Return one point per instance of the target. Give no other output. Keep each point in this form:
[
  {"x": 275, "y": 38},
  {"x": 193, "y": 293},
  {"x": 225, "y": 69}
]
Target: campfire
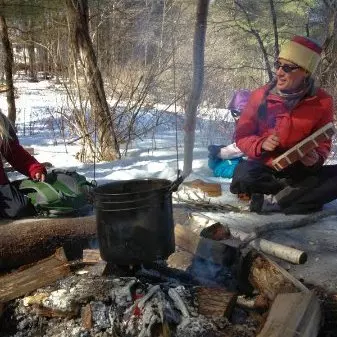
[{"x": 205, "y": 288}]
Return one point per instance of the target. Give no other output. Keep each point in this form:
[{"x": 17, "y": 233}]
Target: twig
[
  {"x": 206, "y": 204},
  {"x": 282, "y": 225}
]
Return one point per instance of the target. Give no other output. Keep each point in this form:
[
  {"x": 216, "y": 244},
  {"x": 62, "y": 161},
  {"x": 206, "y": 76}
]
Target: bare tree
[
  {"x": 255, "y": 32},
  {"x": 197, "y": 83},
  {"x": 84, "y": 53},
  {"x": 8, "y": 67},
  {"x": 274, "y": 20}
]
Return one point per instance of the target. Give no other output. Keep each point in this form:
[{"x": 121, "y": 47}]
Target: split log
[
  {"x": 211, "y": 189},
  {"x": 215, "y": 302},
  {"x": 91, "y": 256},
  {"x": 293, "y": 315},
  {"x": 210, "y": 250},
  {"x": 43, "y": 273},
  {"x": 29, "y": 240},
  {"x": 270, "y": 279}
]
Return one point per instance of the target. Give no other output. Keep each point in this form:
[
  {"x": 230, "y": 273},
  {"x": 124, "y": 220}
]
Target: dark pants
[
  {"x": 299, "y": 189},
  {"x": 14, "y": 204}
]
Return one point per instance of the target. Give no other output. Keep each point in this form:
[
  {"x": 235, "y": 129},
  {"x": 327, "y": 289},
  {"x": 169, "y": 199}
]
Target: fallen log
[
  {"x": 29, "y": 240},
  {"x": 43, "y": 273},
  {"x": 293, "y": 315}
]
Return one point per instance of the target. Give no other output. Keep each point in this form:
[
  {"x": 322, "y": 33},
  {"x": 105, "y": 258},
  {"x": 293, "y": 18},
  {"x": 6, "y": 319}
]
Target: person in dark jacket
[
  {"x": 14, "y": 204},
  {"x": 278, "y": 116}
]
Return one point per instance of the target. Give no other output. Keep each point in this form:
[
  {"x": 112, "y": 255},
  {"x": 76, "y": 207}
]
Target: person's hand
[
  {"x": 271, "y": 143},
  {"x": 310, "y": 159},
  {"x": 39, "y": 176}
]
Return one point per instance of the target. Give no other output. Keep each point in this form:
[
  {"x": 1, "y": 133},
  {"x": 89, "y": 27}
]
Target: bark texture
[
  {"x": 8, "y": 66},
  {"x": 78, "y": 13}
]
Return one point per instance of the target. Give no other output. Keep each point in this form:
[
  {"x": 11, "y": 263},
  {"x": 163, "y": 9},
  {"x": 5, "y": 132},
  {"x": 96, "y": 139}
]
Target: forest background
[{"x": 120, "y": 60}]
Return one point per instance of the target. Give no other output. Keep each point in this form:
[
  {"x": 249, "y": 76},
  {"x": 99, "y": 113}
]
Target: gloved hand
[
  {"x": 214, "y": 150},
  {"x": 311, "y": 158}
]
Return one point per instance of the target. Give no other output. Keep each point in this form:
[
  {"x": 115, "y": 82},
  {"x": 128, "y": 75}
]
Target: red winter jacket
[
  {"x": 19, "y": 158},
  {"x": 310, "y": 114}
]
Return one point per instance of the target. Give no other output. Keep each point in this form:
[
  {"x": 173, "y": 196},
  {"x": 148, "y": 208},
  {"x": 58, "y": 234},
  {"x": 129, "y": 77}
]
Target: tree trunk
[
  {"x": 8, "y": 69},
  {"x": 84, "y": 53},
  {"x": 197, "y": 84},
  {"x": 31, "y": 54},
  {"x": 274, "y": 19}
]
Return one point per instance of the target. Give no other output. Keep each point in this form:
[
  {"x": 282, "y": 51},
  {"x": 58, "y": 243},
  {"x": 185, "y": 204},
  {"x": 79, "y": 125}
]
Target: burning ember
[{"x": 87, "y": 304}]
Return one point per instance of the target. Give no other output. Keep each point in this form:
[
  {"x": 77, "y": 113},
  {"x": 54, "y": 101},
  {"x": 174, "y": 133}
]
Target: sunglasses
[
  {"x": 287, "y": 68},
  {"x": 235, "y": 113}
]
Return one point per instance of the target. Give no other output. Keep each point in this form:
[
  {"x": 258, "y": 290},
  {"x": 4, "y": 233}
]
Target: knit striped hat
[{"x": 302, "y": 51}]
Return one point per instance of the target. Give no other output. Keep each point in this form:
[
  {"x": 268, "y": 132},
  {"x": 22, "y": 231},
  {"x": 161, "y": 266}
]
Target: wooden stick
[{"x": 43, "y": 273}]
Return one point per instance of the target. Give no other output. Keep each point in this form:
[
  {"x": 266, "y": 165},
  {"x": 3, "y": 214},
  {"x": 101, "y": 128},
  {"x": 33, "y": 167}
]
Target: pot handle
[{"x": 175, "y": 184}]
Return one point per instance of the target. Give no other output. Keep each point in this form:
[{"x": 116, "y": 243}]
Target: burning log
[
  {"x": 208, "y": 249},
  {"x": 41, "y": 274},
  {"x": 215, "y": 302},
  {"x": 270, "y": 279},
  {"x": 293, "y": 315},
  {"x": 29, "y": 240}
]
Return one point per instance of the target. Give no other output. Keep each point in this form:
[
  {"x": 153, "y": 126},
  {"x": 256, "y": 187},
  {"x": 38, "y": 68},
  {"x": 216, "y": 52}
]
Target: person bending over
[{"x": 13, "y": 203}]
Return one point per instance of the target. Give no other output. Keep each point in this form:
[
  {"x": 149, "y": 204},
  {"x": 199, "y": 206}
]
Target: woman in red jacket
[
  {"x": 13, "y": 204},
  {"x": 277, "y": 117}
]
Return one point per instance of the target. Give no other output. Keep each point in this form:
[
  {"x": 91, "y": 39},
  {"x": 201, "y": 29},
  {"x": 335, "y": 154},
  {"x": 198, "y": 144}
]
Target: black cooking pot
[{"x": 135, "y": 220}]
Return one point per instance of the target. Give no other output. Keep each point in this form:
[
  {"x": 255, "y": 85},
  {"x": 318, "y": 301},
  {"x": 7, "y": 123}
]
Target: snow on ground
[{"x": 156, "y": 157}]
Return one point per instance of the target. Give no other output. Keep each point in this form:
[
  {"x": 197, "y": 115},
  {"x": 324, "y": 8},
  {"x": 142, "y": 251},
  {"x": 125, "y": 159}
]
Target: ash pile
[{"x": 86, "y": 304}]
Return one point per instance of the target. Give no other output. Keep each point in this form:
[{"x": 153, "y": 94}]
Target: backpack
[{"x": 63, "y": 193}]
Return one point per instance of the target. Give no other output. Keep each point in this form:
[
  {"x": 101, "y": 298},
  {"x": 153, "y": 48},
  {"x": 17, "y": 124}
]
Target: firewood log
[
  {"x": 30, "y": 240},
  {"x": 293, "y": 315},
  {"x": 42, "y": 273}
]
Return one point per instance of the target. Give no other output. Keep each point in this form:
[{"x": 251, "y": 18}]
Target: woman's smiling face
[{"x": 289, "y": 75}]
